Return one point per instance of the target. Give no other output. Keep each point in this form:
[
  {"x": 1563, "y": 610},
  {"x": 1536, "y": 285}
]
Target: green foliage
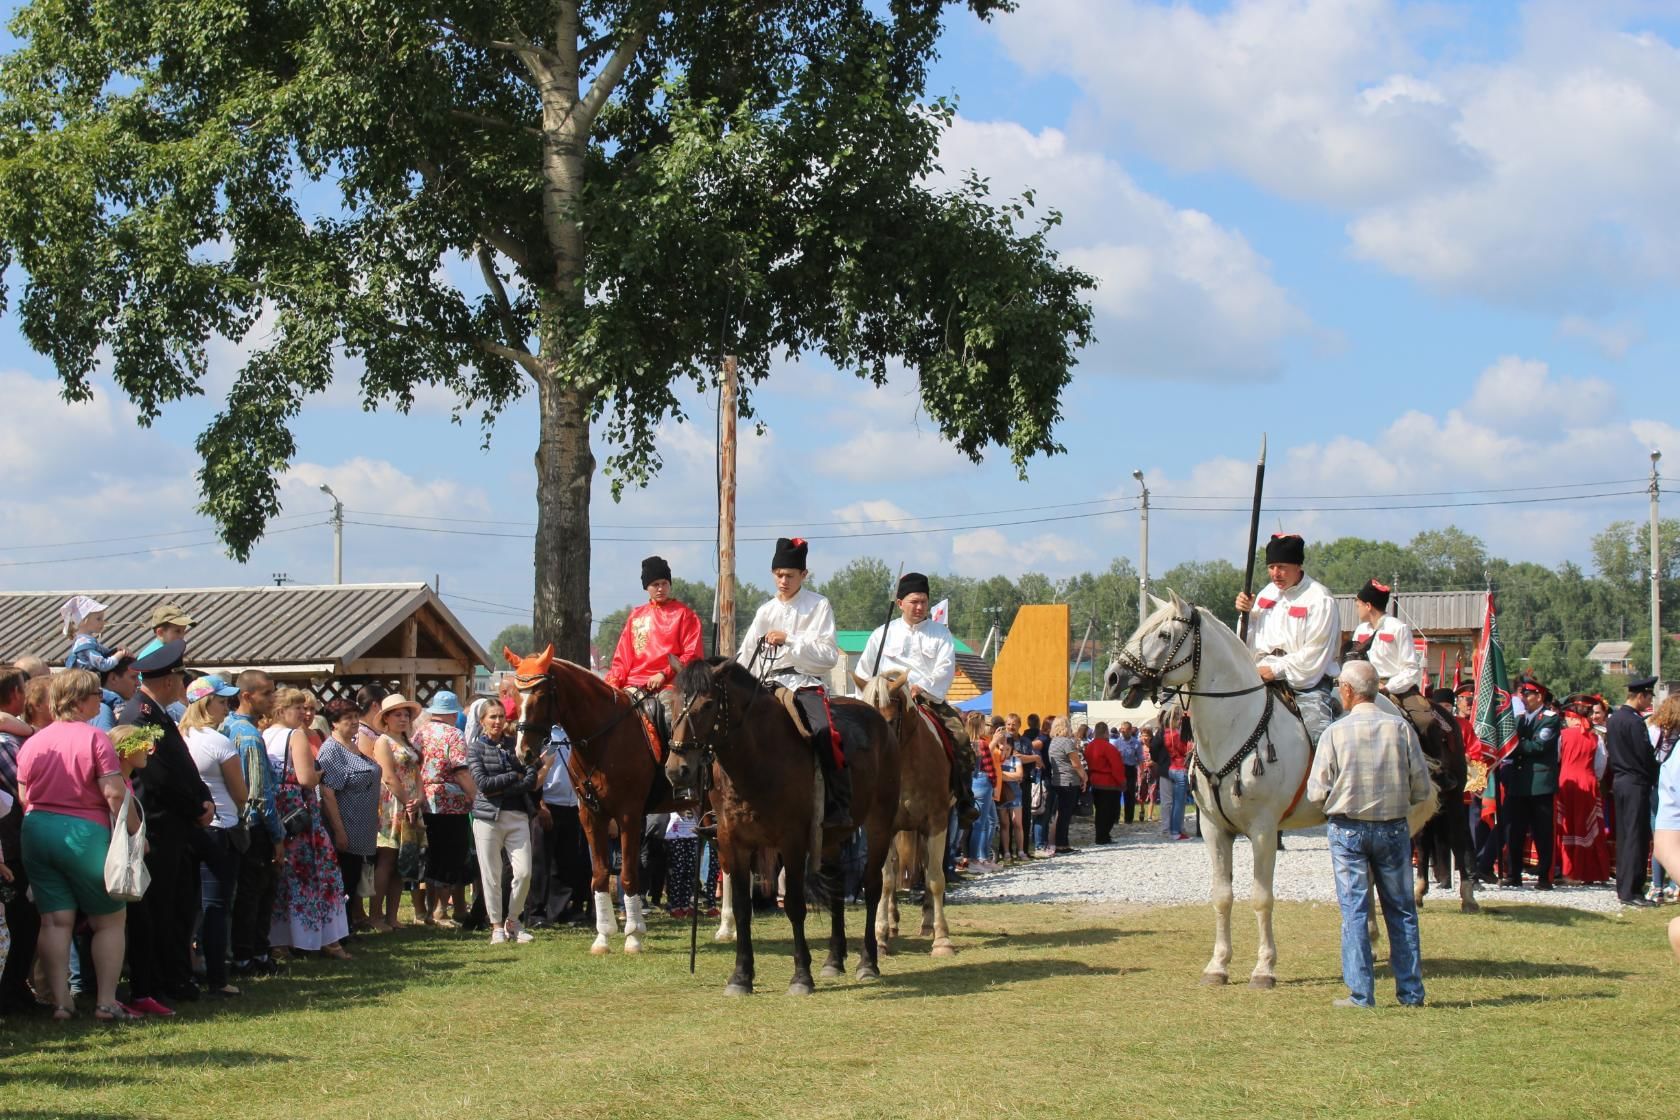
[
  {"x": 859, "y": 593},
  {"x": 517, "y": 637},
  {"x": 633, "y": 184}
]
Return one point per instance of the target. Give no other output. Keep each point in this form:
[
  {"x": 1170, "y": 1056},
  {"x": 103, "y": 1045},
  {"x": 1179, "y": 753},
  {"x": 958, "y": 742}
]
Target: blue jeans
[
  {"x": 1363, "y": 854},
  {"x": 982, "y": 832},
  {"x": 1180, "y": 794}
]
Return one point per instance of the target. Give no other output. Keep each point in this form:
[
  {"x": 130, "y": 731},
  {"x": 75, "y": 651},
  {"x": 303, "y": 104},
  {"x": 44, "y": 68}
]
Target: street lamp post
[
  {"x": 338, "y": 533},
  {"x": 1143, "y": 549}
]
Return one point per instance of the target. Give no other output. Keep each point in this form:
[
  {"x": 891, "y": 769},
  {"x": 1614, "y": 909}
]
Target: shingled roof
[{"x": 302, "y": 628}]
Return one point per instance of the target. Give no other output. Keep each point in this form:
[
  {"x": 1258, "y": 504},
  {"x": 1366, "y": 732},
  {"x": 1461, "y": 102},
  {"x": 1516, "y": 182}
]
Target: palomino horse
[
  {"x": 764, "y": 780},
  {"x": 924, "y": 810},
  {"x": 613, "y": 769},
  {"x": 1251, "y": 761}
]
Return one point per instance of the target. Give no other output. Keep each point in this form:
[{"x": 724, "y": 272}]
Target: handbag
[
  {"x": 295, "y": 822},
  {"x": 126, "y": 875}
]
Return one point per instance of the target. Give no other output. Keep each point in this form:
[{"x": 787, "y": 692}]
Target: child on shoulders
[{"x": 83, "y": 619}]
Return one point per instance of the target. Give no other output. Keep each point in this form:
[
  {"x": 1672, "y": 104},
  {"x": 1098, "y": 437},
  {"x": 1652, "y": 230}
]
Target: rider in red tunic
[
  {"x": 655, "y": 632},
  {"x": 1583, "y": 854}
]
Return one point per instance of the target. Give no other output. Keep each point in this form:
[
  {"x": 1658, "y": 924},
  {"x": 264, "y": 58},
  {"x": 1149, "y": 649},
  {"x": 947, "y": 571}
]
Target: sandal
[
  {"x": 62, "y": 1014},
  {"x": 114, "y": 1013},
  {"x": 336, "y": 952}
]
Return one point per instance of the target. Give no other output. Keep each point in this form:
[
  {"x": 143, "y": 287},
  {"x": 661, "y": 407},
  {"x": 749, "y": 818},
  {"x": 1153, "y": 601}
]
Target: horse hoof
[
  {"x": 944, "y": 949},
  {"x": 1214, "y": 979},
  {"x": 736, "y": 989},
  {"x": 632, "y": 945},
  {"x": 600, "y": 948},
  {"x": 724, "y": 935},
  {"x": 832, "y": 971},
  {"x": 1262, "y": 983},
  {"x": 801, "y": 988},
  {"x": 1471, "y": 907},
  {"x": 868, "y": 974}
]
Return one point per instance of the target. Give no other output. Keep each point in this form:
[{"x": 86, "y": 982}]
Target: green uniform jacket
[{"x": 1534, "y": 762}]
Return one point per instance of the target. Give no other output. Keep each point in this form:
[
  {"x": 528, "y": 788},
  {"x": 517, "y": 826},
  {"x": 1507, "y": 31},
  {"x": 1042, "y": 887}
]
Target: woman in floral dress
[
  {"x": 309, "y": 891},
  {"x": 402, "y": 835}
]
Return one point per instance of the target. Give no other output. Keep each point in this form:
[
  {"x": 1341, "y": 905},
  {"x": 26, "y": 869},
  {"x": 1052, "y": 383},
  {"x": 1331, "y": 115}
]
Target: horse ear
[
  {"x": 1158, "y": 603},
  {"x": 1179, "y": 605},
  {"x": 896, "y": 678},
  {"x": 676, "y": 666},
  {"x": 512, "y": 658},
  {"x": 547, "y": 657}
]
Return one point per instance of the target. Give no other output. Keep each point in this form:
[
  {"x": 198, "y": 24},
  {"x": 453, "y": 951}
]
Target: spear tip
[{"x": 1262, "y": 448}]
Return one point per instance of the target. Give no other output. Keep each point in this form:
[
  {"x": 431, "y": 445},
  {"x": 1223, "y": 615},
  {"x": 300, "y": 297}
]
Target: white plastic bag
[{"x": 126, "y": 877}]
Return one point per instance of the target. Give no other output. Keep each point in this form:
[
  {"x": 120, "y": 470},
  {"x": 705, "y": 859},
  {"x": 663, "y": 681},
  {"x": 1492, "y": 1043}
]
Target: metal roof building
[{"x": 330, "y": 638}]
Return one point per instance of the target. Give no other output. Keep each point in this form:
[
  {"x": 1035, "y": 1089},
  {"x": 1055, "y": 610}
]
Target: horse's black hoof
[
  {"x": 1214, "y": 979},
  {"x": 868, "y": 974},
  {"x": 1262, "y": 983},
  {"x": 736, "y": 988},
  {"x": 802, "y": 988},
  {"x": 832, "y": 970}
]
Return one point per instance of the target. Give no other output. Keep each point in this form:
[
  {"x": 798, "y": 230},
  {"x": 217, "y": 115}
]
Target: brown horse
[
  {"x": 924, "y": 811},
  {"x": 613, "y": 768},
  {"x": 730, "y": 728}
]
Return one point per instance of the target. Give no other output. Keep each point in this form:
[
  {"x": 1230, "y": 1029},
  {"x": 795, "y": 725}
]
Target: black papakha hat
[
  {"x": 790, "y": 553},
  {"x": 1286, "y": 548},
  {"x": 1375, "y": 594},
  {"x": 654, "y": 568},
  {"x": 910, "y": 583}
]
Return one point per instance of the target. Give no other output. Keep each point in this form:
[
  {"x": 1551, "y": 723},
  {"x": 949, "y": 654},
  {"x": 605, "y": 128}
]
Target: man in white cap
[
  {"x": 925, "y": 651},
  {"x": 1293, "y": 628},
  {"x": 796, "y": 629}
]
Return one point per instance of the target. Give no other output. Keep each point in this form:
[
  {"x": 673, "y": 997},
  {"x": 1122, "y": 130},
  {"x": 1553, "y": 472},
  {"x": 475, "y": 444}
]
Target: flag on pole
[
  {"x": 941, "y": 611},
  {"x": 1496, "y": 720},
  {"x": 1458, "y": 670}
]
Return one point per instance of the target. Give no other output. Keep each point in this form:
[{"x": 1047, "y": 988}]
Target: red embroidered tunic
[{"x": 653, "y": 634}]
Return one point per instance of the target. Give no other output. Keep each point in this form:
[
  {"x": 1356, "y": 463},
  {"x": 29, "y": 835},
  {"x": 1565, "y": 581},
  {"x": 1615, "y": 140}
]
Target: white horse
[{"x": 1249, "y": 770}]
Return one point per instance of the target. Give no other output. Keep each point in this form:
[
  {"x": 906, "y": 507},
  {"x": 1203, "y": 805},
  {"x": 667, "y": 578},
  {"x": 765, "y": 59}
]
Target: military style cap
[
  {"x": 164, "y": 659},
  {"x": 1643, "y": 684}
]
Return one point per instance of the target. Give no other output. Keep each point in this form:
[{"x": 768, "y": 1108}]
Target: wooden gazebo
[{"x": 329, "y": 639}]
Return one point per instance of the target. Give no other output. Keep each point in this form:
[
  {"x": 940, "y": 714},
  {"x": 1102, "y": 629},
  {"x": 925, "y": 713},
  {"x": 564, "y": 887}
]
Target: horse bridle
[
  {"x": 585, "y": 786},
  {"x": 1153, "y": 677}
]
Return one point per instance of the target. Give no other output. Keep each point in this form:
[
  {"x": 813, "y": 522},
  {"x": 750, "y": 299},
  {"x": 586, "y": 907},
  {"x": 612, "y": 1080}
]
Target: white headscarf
[
  {"x": 76, "y": 608},
  {"x": 475, "y": 720}
]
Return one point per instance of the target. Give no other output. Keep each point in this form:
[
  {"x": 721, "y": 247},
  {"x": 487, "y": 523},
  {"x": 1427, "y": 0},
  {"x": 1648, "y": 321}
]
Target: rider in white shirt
[
  {"x": 1293, "y": 629},
  {"x": 1387, "y": 643},
  {"x": 925, "y": 651},
  {"x": 791, "y": 643}
]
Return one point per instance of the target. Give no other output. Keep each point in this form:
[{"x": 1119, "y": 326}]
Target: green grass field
[{"x": 1533, "y": 1012}]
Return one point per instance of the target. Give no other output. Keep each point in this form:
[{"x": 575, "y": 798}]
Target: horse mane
[{"x": 878, "y": 691}]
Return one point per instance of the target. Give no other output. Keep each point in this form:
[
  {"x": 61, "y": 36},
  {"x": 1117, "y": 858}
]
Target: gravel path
[{"x": 1144, "y": 867}]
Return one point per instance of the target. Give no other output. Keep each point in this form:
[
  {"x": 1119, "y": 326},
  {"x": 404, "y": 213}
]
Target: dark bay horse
[
  {"x": 613, "y": 767},
  {"x": 1445, "y": 839},
  {"x": 763, "y": 775}
]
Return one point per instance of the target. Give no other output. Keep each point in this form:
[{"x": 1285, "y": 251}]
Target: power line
[
  {"x": 143, "y": 536},
  {"x": 1410, "y": 505},
  {"x": 487, "y": 603},
  {"x": 1416, "y": 493},
  {"x": 145, "y": 551}
]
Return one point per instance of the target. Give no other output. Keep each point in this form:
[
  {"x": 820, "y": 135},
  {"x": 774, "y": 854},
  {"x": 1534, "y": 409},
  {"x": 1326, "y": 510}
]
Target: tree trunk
[{"x": 565, "y": 476}]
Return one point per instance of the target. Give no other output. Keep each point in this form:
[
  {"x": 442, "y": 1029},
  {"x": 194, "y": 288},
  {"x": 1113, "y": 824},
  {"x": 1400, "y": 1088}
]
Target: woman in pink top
[{"x": 71, "y": 786}]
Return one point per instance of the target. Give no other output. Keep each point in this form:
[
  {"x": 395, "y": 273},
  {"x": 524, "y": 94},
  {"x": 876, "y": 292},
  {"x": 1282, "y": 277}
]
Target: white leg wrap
[
  {"x": 726, "y": 906},
  {"x": 635, "y": 926},
  {"x": 606, "y": 923}
]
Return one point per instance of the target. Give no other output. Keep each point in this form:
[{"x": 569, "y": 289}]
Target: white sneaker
[
  {"x": 519, "y": 935},
  {"x": 498, "y": 937}
]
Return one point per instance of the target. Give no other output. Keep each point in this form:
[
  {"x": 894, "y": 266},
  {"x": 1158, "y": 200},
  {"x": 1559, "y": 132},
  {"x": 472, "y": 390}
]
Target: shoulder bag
[{"x": 126, "y": 876}]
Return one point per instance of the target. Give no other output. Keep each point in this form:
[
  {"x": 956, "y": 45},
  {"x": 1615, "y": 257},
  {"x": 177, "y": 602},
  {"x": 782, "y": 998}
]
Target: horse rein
[{"x": 586, "y": 786}]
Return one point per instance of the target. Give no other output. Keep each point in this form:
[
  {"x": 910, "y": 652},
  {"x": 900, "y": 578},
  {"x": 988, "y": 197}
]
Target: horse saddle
[
  {"x": 812, "y": 716},
  {"x": 1284, "y": 693}
]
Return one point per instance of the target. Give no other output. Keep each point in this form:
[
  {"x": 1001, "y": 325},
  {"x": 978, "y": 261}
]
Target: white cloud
[
  {"x": 1179, "y": 294},
  {"x": 1542, "y": 179},
  {"x": 985, "y": 552}
]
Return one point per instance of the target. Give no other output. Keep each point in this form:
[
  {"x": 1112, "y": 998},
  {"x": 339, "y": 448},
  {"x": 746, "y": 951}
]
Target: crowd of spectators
[
  {"x": 1033, "y": 777},
  {"x": 276, "y": 826}
]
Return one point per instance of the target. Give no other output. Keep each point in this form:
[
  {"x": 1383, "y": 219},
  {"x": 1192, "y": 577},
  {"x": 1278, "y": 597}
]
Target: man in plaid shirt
[{"x": 1368, "y": 774}]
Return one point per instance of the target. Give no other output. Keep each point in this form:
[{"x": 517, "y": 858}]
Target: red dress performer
[{"x": 1583, "y": 853}]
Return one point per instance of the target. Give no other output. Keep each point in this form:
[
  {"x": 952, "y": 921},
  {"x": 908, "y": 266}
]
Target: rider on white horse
[
  {"x": 797, "y": 629},
  {"x": 1293, "y": 630}
]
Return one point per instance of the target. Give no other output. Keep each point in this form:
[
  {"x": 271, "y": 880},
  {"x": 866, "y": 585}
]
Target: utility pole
[
  {"x": 338, "y": 533},
  {"x": 1143, "y": 550},
  {"x": 730, "y": 390},
  {"x": 1656, "y": 576}
]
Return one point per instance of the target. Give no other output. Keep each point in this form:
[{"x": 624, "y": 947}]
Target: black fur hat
[
  {"x": 911, "y": 582},
  {"x": 654, "y": 568},
  {"x": 1286, "y": 548},
  {"x": 790, "y": 553}
]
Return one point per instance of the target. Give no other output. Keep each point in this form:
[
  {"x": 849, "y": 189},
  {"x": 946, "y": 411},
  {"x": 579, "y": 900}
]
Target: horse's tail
[{"x": 821, "y": 885}]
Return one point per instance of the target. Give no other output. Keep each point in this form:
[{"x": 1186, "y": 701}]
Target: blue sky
[{"x": 1426, "y": 247}]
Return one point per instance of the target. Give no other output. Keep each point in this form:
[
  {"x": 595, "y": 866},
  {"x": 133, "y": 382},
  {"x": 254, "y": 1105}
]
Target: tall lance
[
  {"x": 892, "y": 601},
  {"x": 1253, "y": 535}
]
